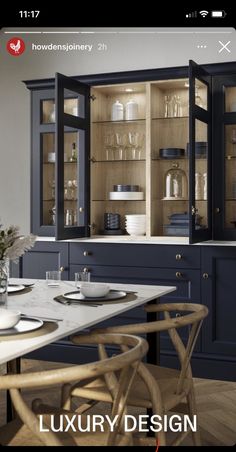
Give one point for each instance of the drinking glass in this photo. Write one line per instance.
(120, 146)
(53, 278)
(109, 146)
(82, 277)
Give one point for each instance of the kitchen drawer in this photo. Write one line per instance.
(164, 256)
(186, 281)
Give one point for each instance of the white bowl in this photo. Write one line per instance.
(126, 195)
(8, 318)
(92, 290)
(135, 216)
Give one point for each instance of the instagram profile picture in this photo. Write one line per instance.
(15, 46)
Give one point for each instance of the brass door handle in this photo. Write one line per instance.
(178, 275)
(178, 257)
(205, 276)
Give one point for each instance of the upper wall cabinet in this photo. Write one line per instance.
(131, 154)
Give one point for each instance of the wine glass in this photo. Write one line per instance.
(109, 146)
(52, 185)
(120, 146)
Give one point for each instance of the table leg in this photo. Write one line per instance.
(13, 367)
(153, 355)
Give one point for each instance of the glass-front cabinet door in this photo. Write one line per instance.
(225, 166)
(200, 124)
(60, 139)
(72, 151)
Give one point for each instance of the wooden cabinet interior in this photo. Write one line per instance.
(162, 122)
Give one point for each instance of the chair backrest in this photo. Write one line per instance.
(189, 314)
(135, 350)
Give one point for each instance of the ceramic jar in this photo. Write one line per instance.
(117, 112)
(131, 110)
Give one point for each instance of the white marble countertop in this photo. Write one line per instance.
(141, 240)
(39, 302)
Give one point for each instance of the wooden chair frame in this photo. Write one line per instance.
(133, 350)
(184, 388)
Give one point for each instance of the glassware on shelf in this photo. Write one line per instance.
(205, 186)
(167, 106)
(52, 185)
(120, 146)
(198, 186)
(52, 115)
(135, 145)
(69, 217)
(53, 214)
(73, 157)
(198, 99)
(109, 146)
(175, 183)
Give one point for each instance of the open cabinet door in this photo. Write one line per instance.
(72, 158)
(200, 131)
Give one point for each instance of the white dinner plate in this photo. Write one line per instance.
(77, 296)
(23, 326)
(15, 288)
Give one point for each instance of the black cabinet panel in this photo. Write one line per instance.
(171, 256)
(219, 294)
(45, 256)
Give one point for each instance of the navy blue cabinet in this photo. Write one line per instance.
(44, 256)
(219, 294)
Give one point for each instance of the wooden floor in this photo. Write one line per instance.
(216, 402)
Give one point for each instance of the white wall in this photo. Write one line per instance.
(125, 52)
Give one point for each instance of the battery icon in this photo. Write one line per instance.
(218, 14)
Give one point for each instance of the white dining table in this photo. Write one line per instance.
(38, 301)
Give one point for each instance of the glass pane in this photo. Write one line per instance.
(73, 104)
(201, 171)
(48, 111)
(73, 143)
(201, 91)
(230, 176)
(48, 178)
(230, 99)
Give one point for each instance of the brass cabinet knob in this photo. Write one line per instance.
(87, 253)
(178, 257)
(86, 270)
(62, 269)
(205, 276)
(178, 275)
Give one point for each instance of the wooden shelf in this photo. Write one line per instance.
(119, 200)
(119, 161)
(124, 121)
(169, 118)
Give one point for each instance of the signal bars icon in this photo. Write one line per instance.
(191, 15)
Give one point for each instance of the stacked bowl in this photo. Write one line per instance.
(135, 224)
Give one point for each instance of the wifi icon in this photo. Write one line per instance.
(203, 13)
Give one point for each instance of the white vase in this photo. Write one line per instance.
(4, 276)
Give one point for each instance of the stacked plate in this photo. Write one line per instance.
(135, 224)
(126, 192)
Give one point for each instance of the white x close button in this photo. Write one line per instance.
(224, 46)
